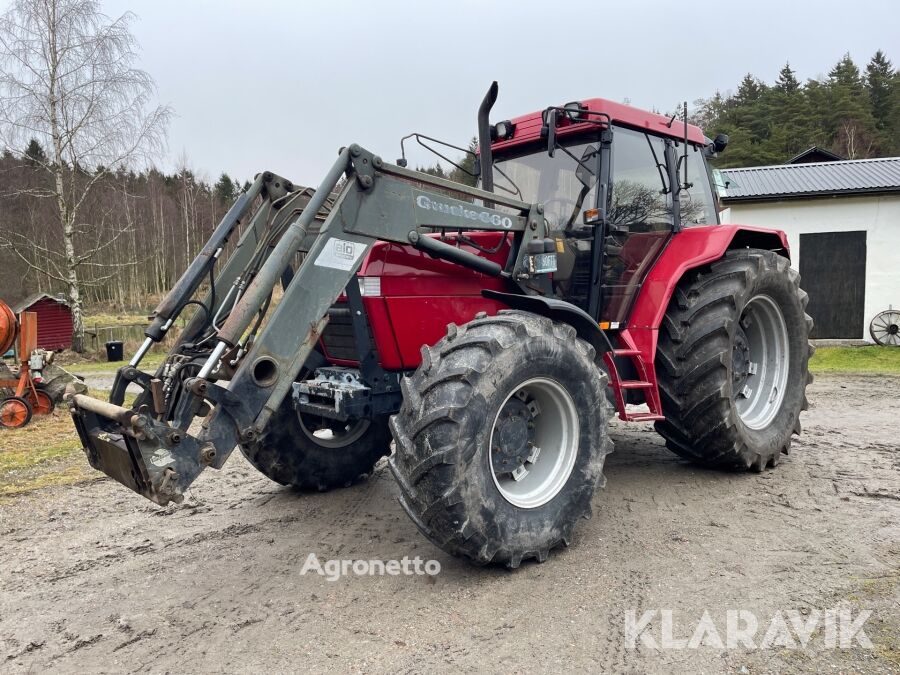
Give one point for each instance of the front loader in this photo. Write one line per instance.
(488, 330)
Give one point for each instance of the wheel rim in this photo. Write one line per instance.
(13, 413)
(760, 359)
(333, 433)
(885, 328)
(534, 443)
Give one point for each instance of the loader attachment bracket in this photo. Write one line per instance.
(228, 401)
(125, 376)
(150, 457)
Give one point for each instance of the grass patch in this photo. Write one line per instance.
(44, 453)
(107, 319)
(871, 359)
(104, 319)
(149, 362)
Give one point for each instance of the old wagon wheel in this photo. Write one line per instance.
(40, 401)
(885, 328)
(15, 412)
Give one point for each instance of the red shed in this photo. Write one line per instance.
(54, 320)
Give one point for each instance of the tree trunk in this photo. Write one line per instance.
(66, 215)
(77, 314)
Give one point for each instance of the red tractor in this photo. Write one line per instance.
(488, 330)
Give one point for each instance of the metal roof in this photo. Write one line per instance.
(54, 320)
(814, 152)
(789, 181)
(22, 305)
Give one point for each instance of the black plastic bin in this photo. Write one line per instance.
(114, 350)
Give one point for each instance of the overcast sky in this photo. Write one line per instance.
(281, 85)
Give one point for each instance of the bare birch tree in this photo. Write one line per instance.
(67, 78)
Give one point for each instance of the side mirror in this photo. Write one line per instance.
(550, 126)
(585, 173)
(720, 142)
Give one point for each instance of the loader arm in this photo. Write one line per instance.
(231, 368)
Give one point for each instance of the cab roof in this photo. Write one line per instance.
(528, 127)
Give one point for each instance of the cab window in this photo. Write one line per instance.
(640, 219)
(640, 190)
(552, 181)
(698, 206)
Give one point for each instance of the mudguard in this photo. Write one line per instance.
(558, 310)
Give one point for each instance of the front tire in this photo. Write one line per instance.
(296, 451)
(732, 362)
(501, 438)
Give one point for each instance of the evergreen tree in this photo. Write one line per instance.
(893, 127)
(787, 109)
(849, 112)
(225, 189)
(845, 73)
(749, 90)
(435, 170)
(787, 80)
(853, 114)
(466, 175)
(880, 81)
(35, 153)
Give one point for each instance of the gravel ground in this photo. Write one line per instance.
(93, 578)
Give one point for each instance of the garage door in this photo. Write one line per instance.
(833, 271)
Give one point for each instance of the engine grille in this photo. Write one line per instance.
(338, 337)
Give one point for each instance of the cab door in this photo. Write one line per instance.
(639, 219)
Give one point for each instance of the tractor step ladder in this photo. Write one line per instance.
(646, 382)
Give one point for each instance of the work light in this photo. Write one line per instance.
(502, 131)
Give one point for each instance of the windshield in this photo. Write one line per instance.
(552, 181)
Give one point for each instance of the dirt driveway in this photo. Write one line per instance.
(94, 578)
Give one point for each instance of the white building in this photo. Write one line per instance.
(842, 220)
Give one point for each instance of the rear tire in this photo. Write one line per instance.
(732, 362)
(289, 452)
(483, 399)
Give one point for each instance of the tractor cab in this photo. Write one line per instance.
(607, 173)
